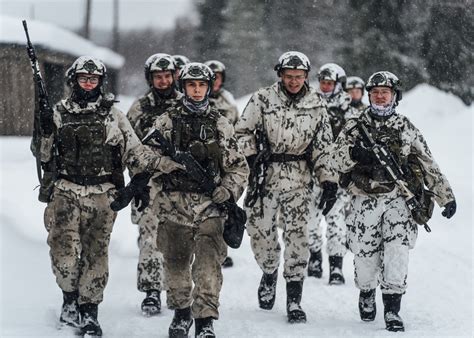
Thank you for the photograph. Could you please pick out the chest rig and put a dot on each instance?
(82, 151)
(197, 135)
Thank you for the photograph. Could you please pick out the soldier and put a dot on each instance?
(332, 80)
(224, 102)
(179, 62)
(191, 221)
(285, 124)
(382, 228)
(355, 88)
(162, 96)
(88, 143)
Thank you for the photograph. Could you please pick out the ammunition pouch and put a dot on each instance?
(425, 212)
(369, 180)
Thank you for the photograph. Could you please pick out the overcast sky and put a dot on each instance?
(70, 13)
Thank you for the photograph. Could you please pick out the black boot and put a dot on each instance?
(295, 313)
(315, 267)
(335, 270)
(182, 322)
(267, 290)
(151, 305)
(228, 262)
(391, 302)
(204, 328)
(89, 323)
(70, 309)
(367, 306)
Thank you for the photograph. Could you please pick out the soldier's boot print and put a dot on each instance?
(267, 290)
(335, 270)
(367, 306)
(393, 322)
(151, 305)
(181, 323)
(204, 328)
(70, 309)
(294, 291)
(89, 324)
(315, 264)
(228, 262)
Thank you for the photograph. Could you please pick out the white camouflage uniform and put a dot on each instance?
(381, 229)
(287, 202)
(225, 103)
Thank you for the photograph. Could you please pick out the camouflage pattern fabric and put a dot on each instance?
(336, 225)
(291, 126)
(381, 229)
(225, 103)
(78, 237)
(191, 225)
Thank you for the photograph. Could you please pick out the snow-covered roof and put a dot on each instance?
(50, 36)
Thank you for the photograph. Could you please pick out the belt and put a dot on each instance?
(287, 157)
(87, 180)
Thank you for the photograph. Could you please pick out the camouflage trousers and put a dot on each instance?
(336, 225)
(150, 270)
(291, 211)
(380, 233)
(79, 231)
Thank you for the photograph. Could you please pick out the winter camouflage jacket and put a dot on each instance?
(339, 110)
(118, 132)
(411, 141)
(290, 127)
(225, 103)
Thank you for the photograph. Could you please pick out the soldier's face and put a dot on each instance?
(355, 93)
(293, 79)
(327, 86)
(162, 80)
(88, 82)
(381, 96)
(196, 89)
(217, 83)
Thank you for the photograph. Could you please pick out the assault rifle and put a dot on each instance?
(258, 172)
(236, 218)
(395, 172)
(42, 123)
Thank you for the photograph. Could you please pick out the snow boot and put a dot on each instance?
(228, 262)
(267, 290)
(294, 290)
(70, 309)
(89, 323)
(391, 302)
(335, 270)
(204, 328)
(315, 268)
(151, 305)
(181, 323)
(367, 306)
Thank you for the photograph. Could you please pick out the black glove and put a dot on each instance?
(138, 189)
(449, 209)
(46, 118)
(251, 160)
(362, 155)
(328, 197)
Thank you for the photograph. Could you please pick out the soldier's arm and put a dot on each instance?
(434, 178)
(133, 116)
(321, 151)
(234, 165)
(47, 143)
(246, 125)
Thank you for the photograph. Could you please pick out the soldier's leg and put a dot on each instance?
(315, 229)
(210, 251)
(263, 233)
(365, 229)
(177, 244)
(62, 216)
(96, 227)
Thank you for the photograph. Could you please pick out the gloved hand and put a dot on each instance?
(449, 209)
(137, 187)
(167, 165)
(328, 197)
(220, 195)
(46, 119)
(361, 154)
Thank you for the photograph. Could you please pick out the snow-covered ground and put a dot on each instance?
(438, 302)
